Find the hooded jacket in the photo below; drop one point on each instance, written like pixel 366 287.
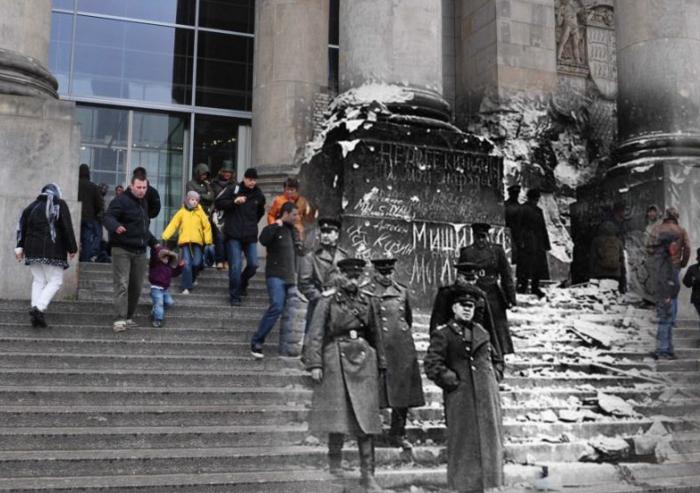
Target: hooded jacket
pixel 160 274
pixel 89 196
pixel 192 226
pixel 241 220
pixel 204 189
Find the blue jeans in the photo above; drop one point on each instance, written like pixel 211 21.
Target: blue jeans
pixel 664 330
pixel 192 255
pixel 162 300
pixel 283 298
pixel 90 238
pixel 237 277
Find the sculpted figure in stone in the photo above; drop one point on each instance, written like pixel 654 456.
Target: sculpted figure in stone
pixel 567 20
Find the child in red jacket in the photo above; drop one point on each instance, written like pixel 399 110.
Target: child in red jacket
pixel 163 267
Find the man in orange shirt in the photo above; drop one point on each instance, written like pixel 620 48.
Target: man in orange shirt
pixel 291 194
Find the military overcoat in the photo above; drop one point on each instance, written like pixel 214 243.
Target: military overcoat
pixel 401 386
pixel 467 371
pixel 533 243
pixel 343 341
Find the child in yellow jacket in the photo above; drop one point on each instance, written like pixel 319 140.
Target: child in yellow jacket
pixel 194 233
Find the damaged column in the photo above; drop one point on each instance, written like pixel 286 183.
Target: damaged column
pixel 39 137
pixel 405 182
pixel 291 72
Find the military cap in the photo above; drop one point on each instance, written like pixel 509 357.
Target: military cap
pixel 351 264
pixel 227 166
pixel 514 188
pixel 481 228
pixel 328 223
pixel 466 267
pixel 462 296
pixel 383 262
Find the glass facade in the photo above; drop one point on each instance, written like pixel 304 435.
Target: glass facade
pixel 163 84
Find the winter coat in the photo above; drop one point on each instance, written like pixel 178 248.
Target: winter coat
pixel 191 225
pixel 34 235
pixel 466 371
pixel 344 341
pixel 318 269
pixel 204 189
pixel 667 278
pixel 533 243
pixel 691 279
pixel 662 235
pixel 442 307
pixel 401 386
pixel 241 221
pixel 283 247
pixel 512 214
pixel 132 213
pixel 161 274
pixel 152 201
pixel 607 257
pixel 218 185
pixel 89 196
pixel 305 213
pixel 497 283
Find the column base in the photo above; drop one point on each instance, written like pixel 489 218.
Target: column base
pixel 24 76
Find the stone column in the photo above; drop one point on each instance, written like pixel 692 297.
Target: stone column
pixel 658 59
pixel 398 43
pixel 290 73
pixel 39 139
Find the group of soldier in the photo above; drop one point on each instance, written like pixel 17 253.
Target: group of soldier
pixel 360 352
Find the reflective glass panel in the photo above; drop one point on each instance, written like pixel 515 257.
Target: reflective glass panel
pixel 158 141
pixel 334 24
pixel 62 4
pixel 215 140
pixel 228 15
pixel 103 144
pixel 225 71
pixel 170 11
pixel 127 60
pixel 59 49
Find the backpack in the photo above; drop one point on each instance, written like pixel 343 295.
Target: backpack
pixel 217 216
pixel 609 253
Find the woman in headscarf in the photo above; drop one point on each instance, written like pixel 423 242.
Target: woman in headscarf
pixel 45 239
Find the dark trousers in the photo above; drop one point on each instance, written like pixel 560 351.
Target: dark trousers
pixel 398 421
pixel 90 238
pixel 128 270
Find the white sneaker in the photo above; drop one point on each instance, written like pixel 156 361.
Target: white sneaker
pixel 185 291
pixel 119 326
pixel 130 322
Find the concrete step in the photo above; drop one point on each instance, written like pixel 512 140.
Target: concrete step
pixel 177 317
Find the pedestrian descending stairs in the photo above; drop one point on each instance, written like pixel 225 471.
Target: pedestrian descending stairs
pixel 185 408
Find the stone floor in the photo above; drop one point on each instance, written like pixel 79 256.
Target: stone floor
pixel 185 407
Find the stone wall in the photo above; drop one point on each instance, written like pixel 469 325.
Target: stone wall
pixel 40 145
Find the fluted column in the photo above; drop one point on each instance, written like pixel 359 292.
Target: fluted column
pixel 290 72
pixel 394 42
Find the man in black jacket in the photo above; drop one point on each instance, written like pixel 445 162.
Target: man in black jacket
pixel 92 206
pixel 243 206
pixel 283 245
pixel 127 221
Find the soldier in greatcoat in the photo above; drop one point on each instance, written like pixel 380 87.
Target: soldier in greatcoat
pixel 533 245
pixel 464 363
pixel 495 279
pixel 467 276
pixel 318 269
pixel 344 355
pixel 401 388
pixel 512 210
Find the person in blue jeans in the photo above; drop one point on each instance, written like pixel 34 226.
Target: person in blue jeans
pixel 163 266
pixel 243 206
pixel 667 288
pixel 283 246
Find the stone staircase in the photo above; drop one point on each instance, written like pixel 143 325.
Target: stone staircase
pixel 186 408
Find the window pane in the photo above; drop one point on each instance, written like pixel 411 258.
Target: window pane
pixel 59 49
pixel 171 11
pixel 216 140
pixel 225 71
pixel 62 4
pixel 158 145
pixel 229 15
pixel 103 142
pixel 132 61
pixel 334 24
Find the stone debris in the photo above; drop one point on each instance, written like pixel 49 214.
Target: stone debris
pixel 614 405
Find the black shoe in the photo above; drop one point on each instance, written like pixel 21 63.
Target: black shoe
pixel 539 293
pixel 236 303
pixel 256 352
pixel 40 320
pixel 32 317
pixel 157 324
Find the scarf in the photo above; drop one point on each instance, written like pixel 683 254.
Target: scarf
pixel 52 192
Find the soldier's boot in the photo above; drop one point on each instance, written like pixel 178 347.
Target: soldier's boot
pixel 397 432
pixel 335 454
pixel 366 448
